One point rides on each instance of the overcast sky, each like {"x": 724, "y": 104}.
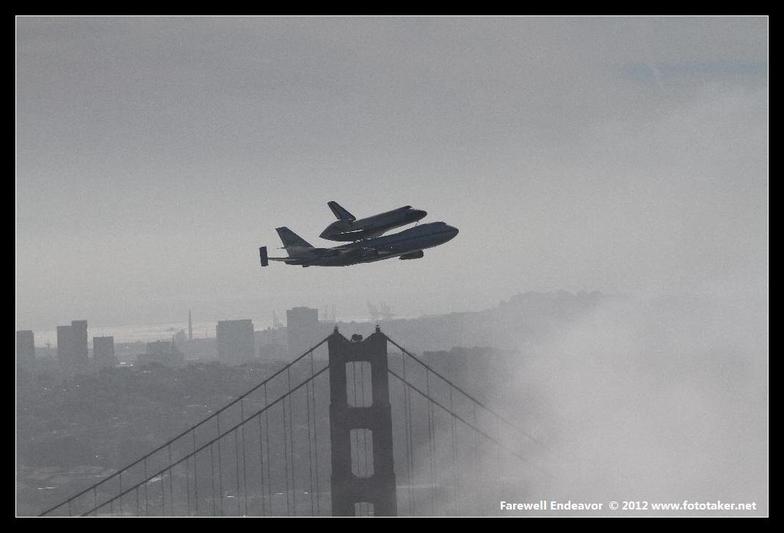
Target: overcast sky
{"x": 154, "y": 156}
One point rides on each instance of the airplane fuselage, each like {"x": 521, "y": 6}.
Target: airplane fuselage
{"x": 407, "y": 242}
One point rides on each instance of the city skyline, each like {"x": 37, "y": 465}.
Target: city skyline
{"x": 202, "y": 328}
{"x": 206, "y": 328}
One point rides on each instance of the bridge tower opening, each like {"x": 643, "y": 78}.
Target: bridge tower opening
{"x": 377, "y": 490}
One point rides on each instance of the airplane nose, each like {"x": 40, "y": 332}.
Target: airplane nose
{"x": 419, "y": 214}
{"x": 453, "y": 231}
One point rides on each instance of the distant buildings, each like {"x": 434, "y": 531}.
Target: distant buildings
{"x": 25, "y": 349}
{"x": 103, "y": 352}
{"x": 235, "y": 341}
{"x": 302, "y": 329}
{"x": 63, "y": 345}
{"x": 199, "y": 349}
{"x": 512, "y": 325}
{"x": 162, "y": 352}
{"x": 72, "y": 347}
{"x": 180, "y": 339}
{"x": 79, "y": 338}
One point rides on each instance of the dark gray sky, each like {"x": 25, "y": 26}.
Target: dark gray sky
{"x": 154, "y": 155}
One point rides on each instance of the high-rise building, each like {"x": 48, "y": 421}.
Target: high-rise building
{"x": 72, "y": 346}
{"x": 25, "y": 348}
{"x": 302, "y": 329}
{"x": 64, "y": 350}
{"x": 79, "y": 339}
{"x": 103, "y": 352}
{"x": 235, "y": 341}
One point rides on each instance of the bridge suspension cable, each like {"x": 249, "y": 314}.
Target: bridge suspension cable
{"x": 467, "y": 395}
{"x": 209, "y": 443}
{"x": 478, "y": 430}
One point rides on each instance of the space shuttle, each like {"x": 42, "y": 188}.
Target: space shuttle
{"x": 347, "y": 228}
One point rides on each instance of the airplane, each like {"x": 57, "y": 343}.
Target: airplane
{"x": 347, "y": 228}
{"x": 407, "y": 244}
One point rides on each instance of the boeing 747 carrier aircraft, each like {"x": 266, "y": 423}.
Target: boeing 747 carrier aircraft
{"x": 407, "y": 244}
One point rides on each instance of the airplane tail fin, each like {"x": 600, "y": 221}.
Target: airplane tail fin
{"x": 291, "y": 241}
{"x": 341, "y": 213}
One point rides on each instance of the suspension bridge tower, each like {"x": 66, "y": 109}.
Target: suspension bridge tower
{"x": 349, "y": 489}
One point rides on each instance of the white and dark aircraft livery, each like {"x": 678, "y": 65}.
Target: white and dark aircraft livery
{"x": 348, "y": 229}
{"x": 407, "y": 244}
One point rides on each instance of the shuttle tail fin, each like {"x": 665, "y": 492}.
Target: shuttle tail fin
{"x": 340, "y": 212}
